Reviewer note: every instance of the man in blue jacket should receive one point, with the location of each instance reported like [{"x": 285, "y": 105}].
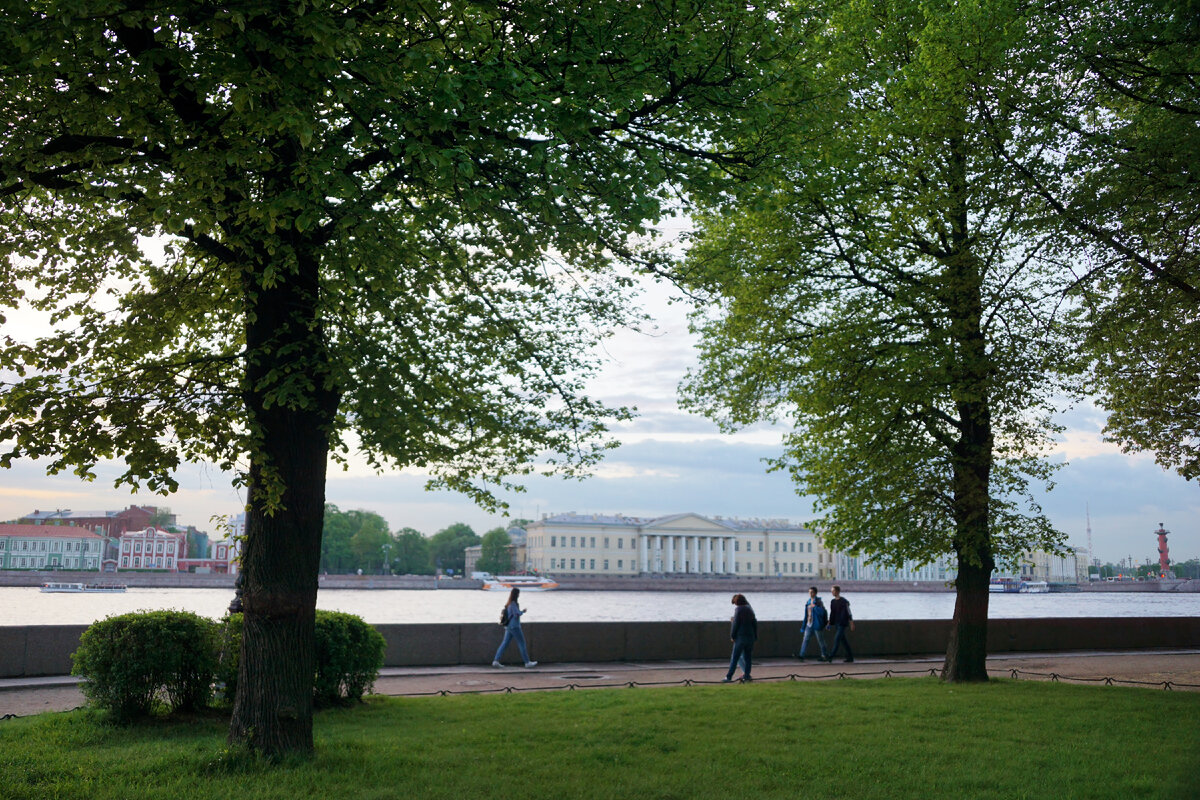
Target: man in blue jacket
[{"x": 815, "y": 619}]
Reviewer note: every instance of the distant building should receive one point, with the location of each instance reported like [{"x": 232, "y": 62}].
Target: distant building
[
  {"x": 151, "y": 549},
  {"x": 516, "y": 553},
  {"x": 220, "y": 557},
  {"x": 1048, "y": 567},
  {"x": 106, "y": 523},
  {"x": 678, "y": 544},
  {"x": 864, "y": 568},
  {"x": 24, "y": 546}
]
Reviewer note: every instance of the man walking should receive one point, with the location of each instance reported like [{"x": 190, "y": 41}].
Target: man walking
[
  {"x": 815, "y": 619},
  {"x": 840, "y": 618}
]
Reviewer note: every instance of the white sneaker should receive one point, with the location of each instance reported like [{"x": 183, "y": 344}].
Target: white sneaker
[
  {"x": 497, "y": 664},
  {"x": 529, "y": 664}
]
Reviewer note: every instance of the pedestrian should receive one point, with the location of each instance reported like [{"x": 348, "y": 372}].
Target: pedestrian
[
  {"x": 815, "y": 619},
  {"x": 743, "y": 632},
  {"x": 511, "y": 619},
  {"x": 840, "y": 618}
]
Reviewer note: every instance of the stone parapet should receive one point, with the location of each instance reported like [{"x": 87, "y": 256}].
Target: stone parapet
[{"x": 27, "y": 651}]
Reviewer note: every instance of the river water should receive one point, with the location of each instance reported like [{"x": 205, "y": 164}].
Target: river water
[{"x": 29, "y": 606}]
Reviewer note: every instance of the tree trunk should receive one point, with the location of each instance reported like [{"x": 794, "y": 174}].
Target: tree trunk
[
  {"x": 966, "y": 653},
  {"x": 970, "y": 371},
  {"x": 272, "y": 712}
]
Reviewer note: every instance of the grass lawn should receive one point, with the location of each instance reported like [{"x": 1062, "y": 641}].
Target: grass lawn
[{"x": 887, "y": 739}]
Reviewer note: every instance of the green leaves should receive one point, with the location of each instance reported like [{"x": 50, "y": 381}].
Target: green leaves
[
  {"x": 433, "y": 168},
  {"x": 882, "y": 287}
]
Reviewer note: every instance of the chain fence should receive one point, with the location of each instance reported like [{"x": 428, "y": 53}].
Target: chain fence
[{"x": 1015, "y": 674}]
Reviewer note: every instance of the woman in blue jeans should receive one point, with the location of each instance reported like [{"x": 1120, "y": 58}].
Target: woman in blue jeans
[{"x": 512, "y": 631}]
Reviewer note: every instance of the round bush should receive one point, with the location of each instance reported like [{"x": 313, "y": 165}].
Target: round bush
[
  {"x": 349, "y": 653},
  {"x": 133, "y": 661}
]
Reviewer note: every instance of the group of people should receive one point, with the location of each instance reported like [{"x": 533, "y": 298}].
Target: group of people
[{"x": 743, "y": 629}]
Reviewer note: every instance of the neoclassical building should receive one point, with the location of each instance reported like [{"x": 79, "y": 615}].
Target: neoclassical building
[{"x": 679, "y": 544}]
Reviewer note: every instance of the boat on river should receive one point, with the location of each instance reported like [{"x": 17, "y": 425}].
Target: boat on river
[
  {"x": 526, "y": 583},
  {"x": 105, "y": 588},
  {"x": 1034, "y": 587}
]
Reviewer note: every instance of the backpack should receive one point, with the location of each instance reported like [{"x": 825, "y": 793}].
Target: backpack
[
  {"x": 504, "y": 615},
  {"x": 820, "y": 616}
]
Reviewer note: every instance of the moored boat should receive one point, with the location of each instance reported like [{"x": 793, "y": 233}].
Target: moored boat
[
  {"x": 526, "y": 583},
  {"x": 108, "y": 588},
  {"x": 1034, "y": 587}
]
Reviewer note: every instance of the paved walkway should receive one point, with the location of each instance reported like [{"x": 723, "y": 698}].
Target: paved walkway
[{"x": 1157, "y": 669}]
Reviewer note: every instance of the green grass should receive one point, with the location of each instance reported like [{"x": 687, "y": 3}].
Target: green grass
[{"x": 887, "y": 739}]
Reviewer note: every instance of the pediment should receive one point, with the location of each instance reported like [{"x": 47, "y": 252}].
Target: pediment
[{"x": 685, "y": 522}]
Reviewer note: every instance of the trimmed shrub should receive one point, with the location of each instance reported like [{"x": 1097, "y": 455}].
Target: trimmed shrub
[
  {"x": 229, "y": 658},
  {"x": 134, "y": 662},
  {"x": 349, "y": 653}
]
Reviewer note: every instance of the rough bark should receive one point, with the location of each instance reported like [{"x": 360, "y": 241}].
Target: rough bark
[{"x": 272, "y": 712}]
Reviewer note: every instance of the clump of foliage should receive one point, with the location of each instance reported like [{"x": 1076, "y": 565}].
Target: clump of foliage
[
  {"x": 349, "y": 655},
  {"x": 135, "y": 662}
]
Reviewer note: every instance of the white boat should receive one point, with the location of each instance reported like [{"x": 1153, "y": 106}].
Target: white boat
[
  {"x": 108, "y": 588},
  {"x": 1034, "y": 587},
  {"x": 526, "y": 583}
]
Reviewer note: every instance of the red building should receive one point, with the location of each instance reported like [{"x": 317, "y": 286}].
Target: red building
[{"x": 106, "y": 523}]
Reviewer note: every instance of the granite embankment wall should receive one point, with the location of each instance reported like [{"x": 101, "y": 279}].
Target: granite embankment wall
[{"x": 46, "y": 649}]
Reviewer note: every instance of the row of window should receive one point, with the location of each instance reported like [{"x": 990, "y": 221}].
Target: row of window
[
  {"x": 43, "y": 546},
  {"x": 590, "y": 564},
  {"x": 137, "y": 547},
  {"x": 150, "y": 562},
  {"x": 590, "y": 541},
  {"x": 561, "y": 541},
  {"x": 40, "y": 561}
]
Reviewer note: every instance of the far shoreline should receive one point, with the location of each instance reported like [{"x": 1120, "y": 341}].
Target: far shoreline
[{"x": 683, "y": 583}]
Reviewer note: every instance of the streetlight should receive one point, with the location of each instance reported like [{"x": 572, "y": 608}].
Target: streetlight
[{"x": 387, "y": 550}]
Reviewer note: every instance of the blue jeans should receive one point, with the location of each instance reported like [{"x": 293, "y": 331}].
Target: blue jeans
[
  {"x": 840, "y": 639},
  {"x": 811, "y": 632},
  {"x": 513, "y": 634},
  {"x": 741, "y": 652}
]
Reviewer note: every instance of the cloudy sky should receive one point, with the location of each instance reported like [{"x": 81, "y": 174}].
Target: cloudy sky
[{"x": 671, "y": 462}]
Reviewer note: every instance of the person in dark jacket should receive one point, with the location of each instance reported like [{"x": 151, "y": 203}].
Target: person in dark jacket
[
  {"x": 840, "y": 619},
  {"x": 743, "y": 632}
]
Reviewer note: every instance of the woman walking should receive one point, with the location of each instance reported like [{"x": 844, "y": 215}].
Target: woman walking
[
  {"x": 743, "y": 632},
  {"x": 512, "y": 630}
]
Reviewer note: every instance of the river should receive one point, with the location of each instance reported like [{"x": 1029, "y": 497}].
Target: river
[{"x": 21, "y": 605}]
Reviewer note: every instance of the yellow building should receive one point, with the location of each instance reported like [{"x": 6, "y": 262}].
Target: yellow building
[{"x": 679, "y": 544}]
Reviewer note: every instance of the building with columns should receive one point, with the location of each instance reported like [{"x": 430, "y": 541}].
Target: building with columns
[{"x": 679, "y": 544}]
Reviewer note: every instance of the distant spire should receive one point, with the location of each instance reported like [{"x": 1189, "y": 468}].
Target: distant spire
[{"x": 1091, "y": 556}]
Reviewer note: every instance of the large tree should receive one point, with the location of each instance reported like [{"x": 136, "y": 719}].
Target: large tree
[
  {"x": 881, "y": 288},
  {"x": 411, "y": 556},
  {"x": 1125, "y": 102},
  {"x": 447, "y": 546},
  {"x": 386, "y": 224},
  {"x": 494, "y": 556}
]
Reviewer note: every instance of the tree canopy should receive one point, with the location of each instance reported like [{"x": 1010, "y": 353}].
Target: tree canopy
[
  {"x": 886, "y": 287},
  {"x": 447, "y": 545},
  {"x": 1128, "y": 108},
  {"x": 387, "y": 228},
  {"x": 494, "y": 556}
]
